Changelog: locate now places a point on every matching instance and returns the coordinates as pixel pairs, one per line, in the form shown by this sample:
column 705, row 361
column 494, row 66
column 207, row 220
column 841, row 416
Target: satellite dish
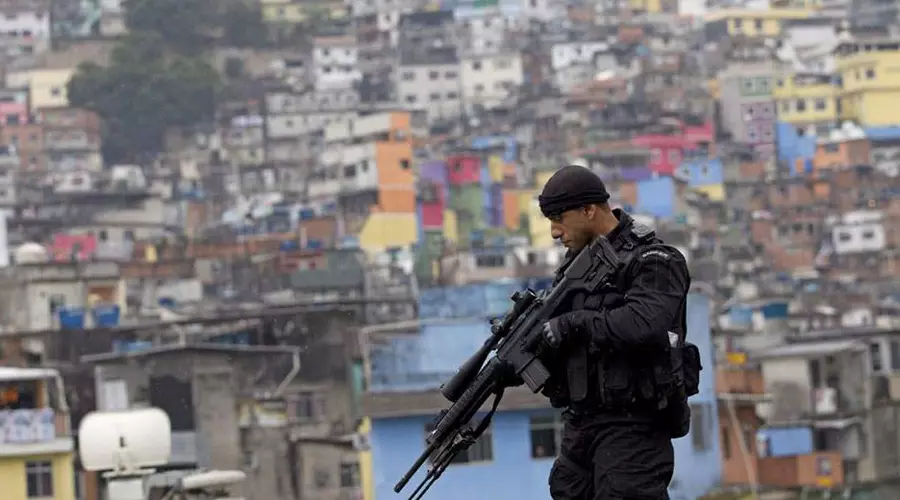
column 125, row 441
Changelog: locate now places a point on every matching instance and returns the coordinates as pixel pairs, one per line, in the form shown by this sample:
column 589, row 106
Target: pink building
column 13, row 112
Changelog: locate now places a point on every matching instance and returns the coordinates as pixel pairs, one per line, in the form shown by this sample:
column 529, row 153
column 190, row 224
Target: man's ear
column 590, row 211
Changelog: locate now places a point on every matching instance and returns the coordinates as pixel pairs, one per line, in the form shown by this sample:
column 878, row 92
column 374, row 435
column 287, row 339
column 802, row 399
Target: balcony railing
column 821, row 469
column 730, row 381
column 20, row 427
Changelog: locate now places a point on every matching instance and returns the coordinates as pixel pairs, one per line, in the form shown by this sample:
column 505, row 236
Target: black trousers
column 612, row 457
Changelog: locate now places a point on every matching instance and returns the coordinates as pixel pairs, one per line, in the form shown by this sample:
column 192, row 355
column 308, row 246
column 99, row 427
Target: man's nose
column 555, row 231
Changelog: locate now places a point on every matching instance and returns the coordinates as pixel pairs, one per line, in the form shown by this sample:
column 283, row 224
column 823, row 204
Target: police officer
column 612, row 371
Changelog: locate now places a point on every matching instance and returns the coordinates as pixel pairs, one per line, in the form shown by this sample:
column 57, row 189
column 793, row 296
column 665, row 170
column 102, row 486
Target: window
column 699, row 431
column 433, row 75
column 435, row 96
column 868, row 234
column 409, row 76
column 844, row 237
column 481, row 451
column 450, row 75
column 801, row 105
column 404, row 164
column 785, row 106
column 452, row 95
column 747, row 83
column 870, row 74
column 758, row 24
column 476, row 65
column 546, row 435
column 490, row 260
column 875, row 357
column 895, row 355
column 349, row 475
column 129, row 235
column 411, row 99
column 309, row 406
column 39, row 479
column 821, row 104
column 502, row 64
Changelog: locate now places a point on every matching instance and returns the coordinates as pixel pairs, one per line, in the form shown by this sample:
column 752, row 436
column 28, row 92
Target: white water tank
column 31, row 253
column 126, row 440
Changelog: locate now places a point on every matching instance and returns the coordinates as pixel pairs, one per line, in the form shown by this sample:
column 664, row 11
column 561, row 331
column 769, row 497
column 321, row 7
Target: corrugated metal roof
column 8, row 373
column 808, row 349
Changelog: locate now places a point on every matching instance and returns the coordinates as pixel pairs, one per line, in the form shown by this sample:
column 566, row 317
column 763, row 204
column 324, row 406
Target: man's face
column 573, row 228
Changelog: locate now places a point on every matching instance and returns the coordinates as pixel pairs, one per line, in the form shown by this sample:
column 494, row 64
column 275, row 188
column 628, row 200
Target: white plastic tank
column 125, row 440
column 31, row 253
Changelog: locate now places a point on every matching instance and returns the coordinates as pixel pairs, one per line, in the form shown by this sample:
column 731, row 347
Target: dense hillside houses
column 286, row 223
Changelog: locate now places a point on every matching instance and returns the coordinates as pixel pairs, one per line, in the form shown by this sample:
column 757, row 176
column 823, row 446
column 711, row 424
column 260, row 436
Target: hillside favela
column 243, row 243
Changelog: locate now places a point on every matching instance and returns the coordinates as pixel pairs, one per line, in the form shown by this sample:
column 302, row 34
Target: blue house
column 513, row 459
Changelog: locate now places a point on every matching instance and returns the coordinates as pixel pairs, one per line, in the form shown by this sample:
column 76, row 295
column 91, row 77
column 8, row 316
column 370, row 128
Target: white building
column 335, row 62
column 435, row 88
column 25, row 30
column 575, row 53
column 486, row 31
column 488, row 80
column 543, row 10
column 858, row 232
column 350, row 160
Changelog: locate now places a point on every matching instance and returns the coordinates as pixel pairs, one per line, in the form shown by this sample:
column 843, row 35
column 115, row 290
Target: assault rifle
column 517, row 339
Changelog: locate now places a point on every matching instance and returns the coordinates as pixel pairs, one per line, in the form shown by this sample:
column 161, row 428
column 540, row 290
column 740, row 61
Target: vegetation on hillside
column 157, row 77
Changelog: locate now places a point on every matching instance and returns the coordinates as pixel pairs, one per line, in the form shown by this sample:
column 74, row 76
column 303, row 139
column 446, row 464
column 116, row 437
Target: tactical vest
column 589, row 381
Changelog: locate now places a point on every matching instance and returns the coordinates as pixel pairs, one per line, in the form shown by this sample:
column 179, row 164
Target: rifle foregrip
column 470, row 400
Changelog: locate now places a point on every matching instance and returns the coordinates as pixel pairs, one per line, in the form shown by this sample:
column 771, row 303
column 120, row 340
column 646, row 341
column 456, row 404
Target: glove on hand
column 557, row 330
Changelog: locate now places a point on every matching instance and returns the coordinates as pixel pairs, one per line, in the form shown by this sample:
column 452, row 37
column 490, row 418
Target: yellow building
column 383, row 230
column 47, row 87
column 806, row 99
column 653, row 6
column 870, row 83
column 36, row 447
column 755, row 23
column 296, row 12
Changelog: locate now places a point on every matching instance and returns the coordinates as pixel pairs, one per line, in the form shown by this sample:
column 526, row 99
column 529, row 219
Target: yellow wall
column 12, row 477
column 788, row 92
column 284, row 11
column 871, row 87
column 715, row 192
column 47, row 88
column 366, row 471
column 451, row 226
column 756, row 23
column 383, row 230
column 649, row 6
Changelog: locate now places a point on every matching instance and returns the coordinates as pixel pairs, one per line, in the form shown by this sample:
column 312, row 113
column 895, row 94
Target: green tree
column 185, row 25
column 242, row 26
column 141, row 93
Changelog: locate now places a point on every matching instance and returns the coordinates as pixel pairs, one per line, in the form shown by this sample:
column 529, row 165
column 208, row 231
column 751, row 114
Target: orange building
column 367, row 166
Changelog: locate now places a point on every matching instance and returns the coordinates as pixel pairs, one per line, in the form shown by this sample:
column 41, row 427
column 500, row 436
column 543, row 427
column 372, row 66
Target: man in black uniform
column 612, row 367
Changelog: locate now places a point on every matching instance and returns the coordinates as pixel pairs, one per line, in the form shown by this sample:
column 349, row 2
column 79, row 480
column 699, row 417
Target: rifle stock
column 517, row 343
